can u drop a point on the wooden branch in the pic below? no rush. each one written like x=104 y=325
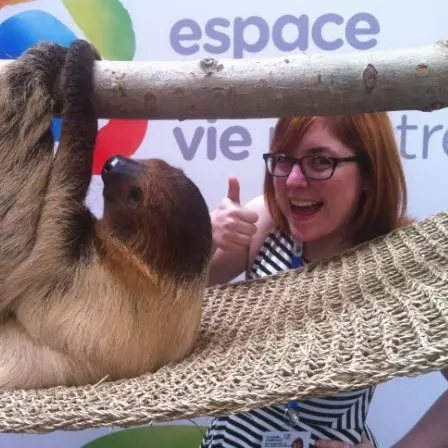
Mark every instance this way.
x=317 y=84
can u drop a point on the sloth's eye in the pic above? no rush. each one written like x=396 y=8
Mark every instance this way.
x=135 y=194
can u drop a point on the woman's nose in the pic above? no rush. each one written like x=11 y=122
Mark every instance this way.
x=296 y=178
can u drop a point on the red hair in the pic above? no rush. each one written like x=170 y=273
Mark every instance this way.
x=383 y=207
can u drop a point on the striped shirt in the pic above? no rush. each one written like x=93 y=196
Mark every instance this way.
x=338 y=417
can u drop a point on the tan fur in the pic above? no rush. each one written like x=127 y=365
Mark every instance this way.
x=82 y=300
x=20 y=130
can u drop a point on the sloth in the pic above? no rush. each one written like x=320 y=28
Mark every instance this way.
x=84 y=299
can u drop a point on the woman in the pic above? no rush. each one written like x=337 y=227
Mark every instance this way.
x=330 y=183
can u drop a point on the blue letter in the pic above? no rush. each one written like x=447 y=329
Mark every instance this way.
x=219 y=36
x=317 y=32
x=301 y=42
x=427 y=132
x=226 y=143
x=188 y=151
x=176 y=37
x=239 y=43
x=352 y=31
x=404 y=127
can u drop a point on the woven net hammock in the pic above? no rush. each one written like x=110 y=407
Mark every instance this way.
x=373 y=313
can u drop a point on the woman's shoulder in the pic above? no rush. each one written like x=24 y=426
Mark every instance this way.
x=268 y=234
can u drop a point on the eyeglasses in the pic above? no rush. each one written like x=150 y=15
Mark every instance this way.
x=314 y=167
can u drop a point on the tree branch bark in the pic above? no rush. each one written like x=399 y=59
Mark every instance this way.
x=318 y=84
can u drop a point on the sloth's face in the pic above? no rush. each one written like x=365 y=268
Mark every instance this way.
x=156 y=209
x=136 y=184
x=141 y=193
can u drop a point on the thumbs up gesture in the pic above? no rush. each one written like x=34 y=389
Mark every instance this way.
x=233 y=224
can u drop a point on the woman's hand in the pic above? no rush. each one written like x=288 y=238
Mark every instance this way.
x=233 y=224
x=365 y=443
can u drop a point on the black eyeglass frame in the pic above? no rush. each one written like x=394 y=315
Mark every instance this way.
x=299 y=161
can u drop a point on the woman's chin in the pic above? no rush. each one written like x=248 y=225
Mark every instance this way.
x=302 y=234
x=306 y=230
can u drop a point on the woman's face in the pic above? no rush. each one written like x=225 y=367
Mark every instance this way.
x=320 y=210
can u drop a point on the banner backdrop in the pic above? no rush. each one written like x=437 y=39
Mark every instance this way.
x=212 y=150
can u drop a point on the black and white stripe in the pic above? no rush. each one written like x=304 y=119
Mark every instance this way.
x=339 y=417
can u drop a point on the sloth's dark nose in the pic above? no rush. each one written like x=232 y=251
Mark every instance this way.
x=119 y=165
x=112 y=163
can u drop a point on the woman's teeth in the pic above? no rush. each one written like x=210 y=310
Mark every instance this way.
x=304 y=209
x=296 y=203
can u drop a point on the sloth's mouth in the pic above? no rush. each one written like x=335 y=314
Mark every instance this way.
x=119 y=186
x=108 y=194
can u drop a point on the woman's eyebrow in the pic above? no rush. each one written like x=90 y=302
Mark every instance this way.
x=319 y=149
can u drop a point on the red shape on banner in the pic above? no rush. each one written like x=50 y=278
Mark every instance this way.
x=121 y=137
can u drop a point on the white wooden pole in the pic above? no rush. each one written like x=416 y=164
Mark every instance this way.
x=317 y=84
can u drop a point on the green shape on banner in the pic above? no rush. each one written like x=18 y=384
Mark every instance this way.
x=163 y=436
x=107 y=25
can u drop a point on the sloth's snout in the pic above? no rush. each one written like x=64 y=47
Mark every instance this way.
x=117 y=165
x=111 y=164
x=121 y=179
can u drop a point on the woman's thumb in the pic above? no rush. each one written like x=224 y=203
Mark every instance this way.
x=233 y=192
